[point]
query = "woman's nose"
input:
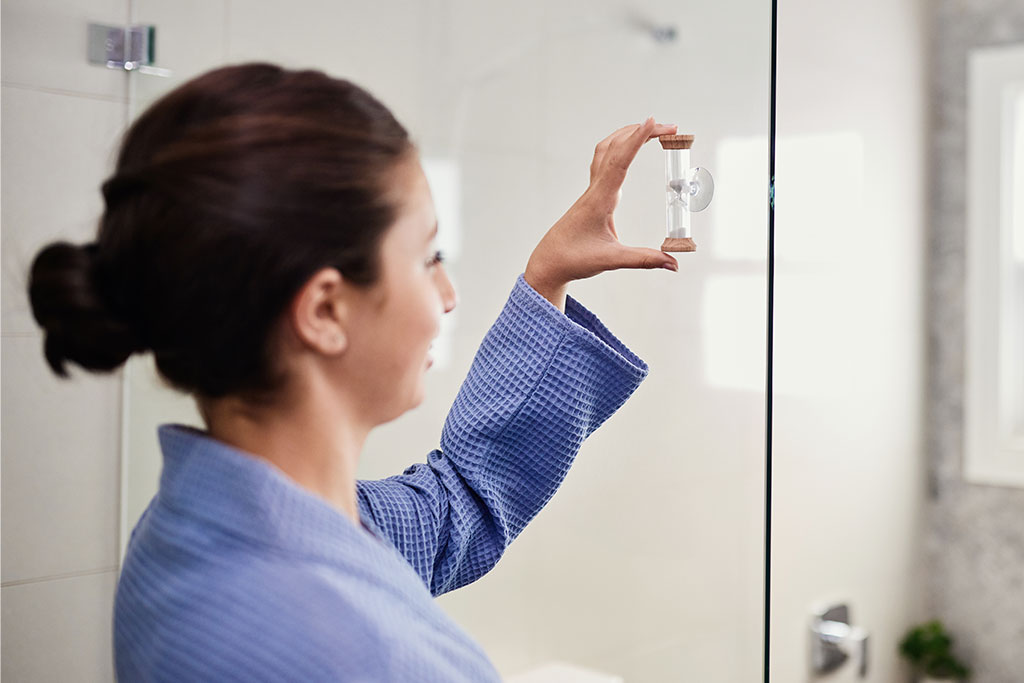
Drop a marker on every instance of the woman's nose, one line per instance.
(448, 295)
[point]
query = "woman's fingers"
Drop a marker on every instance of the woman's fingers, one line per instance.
(659, 129)
(621, 154)
(616, 152)
(602, 148)
(642, 257)
(665, 129)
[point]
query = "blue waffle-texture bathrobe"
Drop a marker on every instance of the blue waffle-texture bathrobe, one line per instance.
(235, 573)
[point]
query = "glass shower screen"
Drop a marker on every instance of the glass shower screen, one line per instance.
(647, 565)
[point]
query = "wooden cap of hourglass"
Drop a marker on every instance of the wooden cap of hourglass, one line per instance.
(676, 141)
(677, 243)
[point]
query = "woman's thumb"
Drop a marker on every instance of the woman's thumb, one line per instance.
(642, 257)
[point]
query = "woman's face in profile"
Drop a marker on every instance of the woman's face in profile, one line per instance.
(401, 314)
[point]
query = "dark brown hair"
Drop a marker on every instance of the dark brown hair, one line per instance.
(229, 194)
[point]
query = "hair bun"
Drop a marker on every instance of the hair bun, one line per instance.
(78, 325)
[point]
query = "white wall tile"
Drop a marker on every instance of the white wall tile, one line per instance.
(603, 69)
(59, 630)
(376, 45)
(60, 467)
(58, 150)
(44, 45)
(481, 76)
(191, 38)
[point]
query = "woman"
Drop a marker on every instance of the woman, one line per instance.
(268, 235)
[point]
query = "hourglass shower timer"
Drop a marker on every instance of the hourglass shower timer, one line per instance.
(686, 190)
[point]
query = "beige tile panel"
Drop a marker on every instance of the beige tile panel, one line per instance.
(377, 45)
(481, 77)
(44, 45)
(60, 467)
(190, 40)
(59, 630)
(57, 150)
(603, 68)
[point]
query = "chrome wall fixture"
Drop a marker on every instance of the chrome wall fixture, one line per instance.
(127, 48)
(834, 641)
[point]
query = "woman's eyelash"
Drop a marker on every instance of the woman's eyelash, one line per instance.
(437, 258)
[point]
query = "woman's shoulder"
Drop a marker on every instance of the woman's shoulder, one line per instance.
(192, 595)
(180, 561)
(239, 607)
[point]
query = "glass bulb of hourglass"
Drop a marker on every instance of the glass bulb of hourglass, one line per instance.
(680, 192)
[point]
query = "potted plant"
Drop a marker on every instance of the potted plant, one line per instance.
(928, 647)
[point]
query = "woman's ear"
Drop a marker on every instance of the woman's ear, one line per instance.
(319, 312)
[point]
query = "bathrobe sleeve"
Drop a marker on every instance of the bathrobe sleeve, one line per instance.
(541, 382)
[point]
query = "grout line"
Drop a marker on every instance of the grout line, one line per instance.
(121, 527)
(61, 91)
(57, 577)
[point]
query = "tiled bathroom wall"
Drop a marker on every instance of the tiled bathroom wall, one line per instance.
(975, 533)
(60, 440)
(527, 128)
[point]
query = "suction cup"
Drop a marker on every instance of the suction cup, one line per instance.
(702, 188)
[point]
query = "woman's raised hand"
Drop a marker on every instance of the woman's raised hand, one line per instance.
(584, 242)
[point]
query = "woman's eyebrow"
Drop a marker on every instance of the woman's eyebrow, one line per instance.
(432, 233)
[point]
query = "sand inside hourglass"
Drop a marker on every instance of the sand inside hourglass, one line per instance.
(681, 190)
